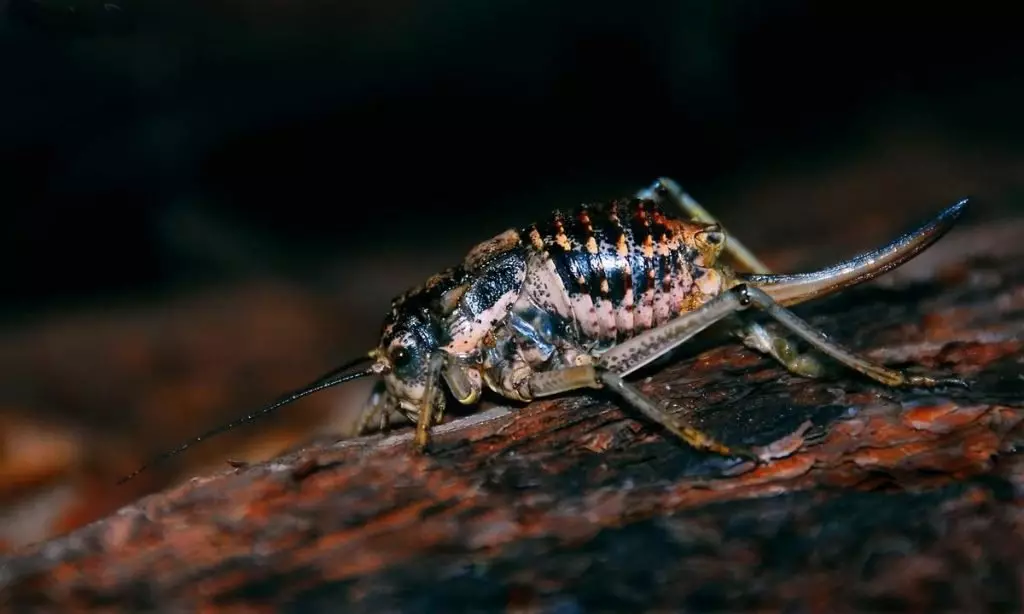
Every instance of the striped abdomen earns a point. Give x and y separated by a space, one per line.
620 268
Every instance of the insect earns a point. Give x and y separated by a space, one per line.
586 297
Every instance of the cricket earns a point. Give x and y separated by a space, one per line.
585 298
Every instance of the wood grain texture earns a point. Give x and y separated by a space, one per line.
879 499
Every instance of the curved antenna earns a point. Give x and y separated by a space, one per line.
333 378
800 287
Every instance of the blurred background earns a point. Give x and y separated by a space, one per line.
206 204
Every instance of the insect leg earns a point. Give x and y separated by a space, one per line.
376 406
431 408
666 188
464 389
652 344
757 337
890 377
593 376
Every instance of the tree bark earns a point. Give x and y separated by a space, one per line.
879 499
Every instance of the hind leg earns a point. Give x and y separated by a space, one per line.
641 350
666 189
549 383
752 334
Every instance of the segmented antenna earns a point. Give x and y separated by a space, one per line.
333 378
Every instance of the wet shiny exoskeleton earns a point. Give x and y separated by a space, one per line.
587 296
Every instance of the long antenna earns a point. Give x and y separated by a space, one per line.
333 378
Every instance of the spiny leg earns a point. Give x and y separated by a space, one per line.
591 376
752 334
650 345
734 248
890 377
676 425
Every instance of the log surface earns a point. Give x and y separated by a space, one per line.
879 499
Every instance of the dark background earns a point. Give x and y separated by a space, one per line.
208 203
151 144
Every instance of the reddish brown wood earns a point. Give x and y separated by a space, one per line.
880 499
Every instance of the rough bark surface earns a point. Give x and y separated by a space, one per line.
880 499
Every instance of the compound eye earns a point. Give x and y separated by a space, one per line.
400 357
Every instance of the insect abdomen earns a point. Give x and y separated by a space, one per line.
623 267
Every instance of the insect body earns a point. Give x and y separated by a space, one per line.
588 296
531 305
